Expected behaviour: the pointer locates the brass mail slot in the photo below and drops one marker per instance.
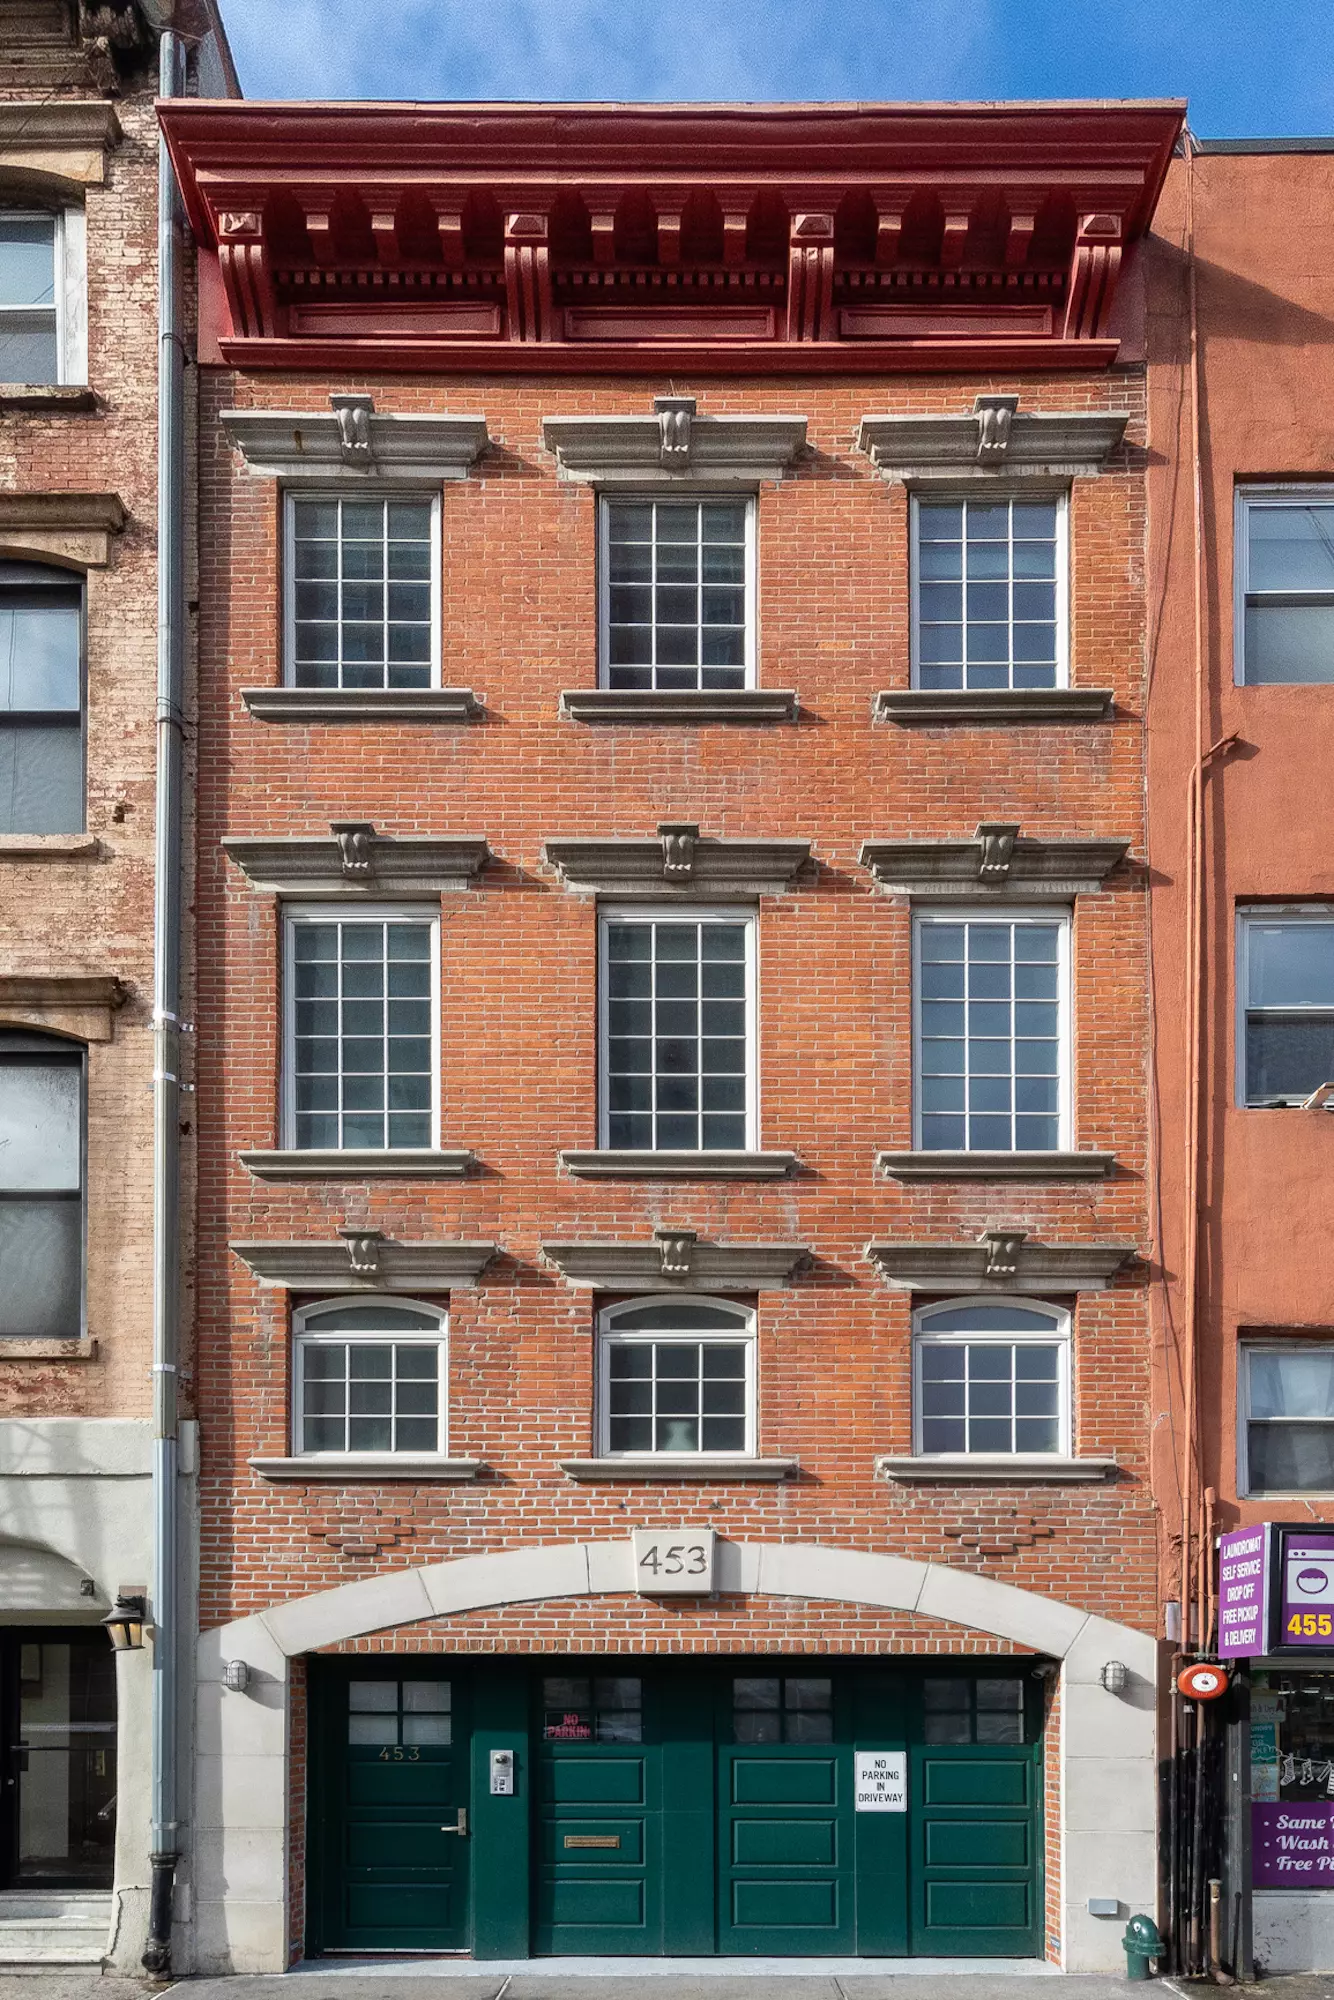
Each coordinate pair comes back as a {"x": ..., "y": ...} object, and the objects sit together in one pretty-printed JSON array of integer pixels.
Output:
[{"x": 592, "y": 1840}]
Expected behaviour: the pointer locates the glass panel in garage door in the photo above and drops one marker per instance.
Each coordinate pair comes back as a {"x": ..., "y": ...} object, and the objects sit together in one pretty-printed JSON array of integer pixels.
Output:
[{"x": 598, "y": 1864}]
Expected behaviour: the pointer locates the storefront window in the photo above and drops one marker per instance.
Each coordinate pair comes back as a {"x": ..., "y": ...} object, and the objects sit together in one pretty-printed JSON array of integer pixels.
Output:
[{"x": 1292, "y": 1780}]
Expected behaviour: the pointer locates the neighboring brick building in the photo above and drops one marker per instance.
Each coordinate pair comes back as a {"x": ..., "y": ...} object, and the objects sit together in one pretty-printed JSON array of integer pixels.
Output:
[
  {"x": 654, "y": 486},
  {"x": 1246, "y": 1393},
  {"x": 78, "y": 645}
]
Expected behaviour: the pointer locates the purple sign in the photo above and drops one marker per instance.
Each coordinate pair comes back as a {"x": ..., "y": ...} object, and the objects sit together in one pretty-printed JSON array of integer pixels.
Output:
[
  {"x": 1292, "y": 1846},
  {"x": 1306, "y": 1616},
  {"x": 1243, "y": 1592}
]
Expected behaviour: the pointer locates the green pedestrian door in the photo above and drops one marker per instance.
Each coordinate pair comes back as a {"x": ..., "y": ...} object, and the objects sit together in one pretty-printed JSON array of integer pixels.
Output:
[{"x": 389, "y": 1808}]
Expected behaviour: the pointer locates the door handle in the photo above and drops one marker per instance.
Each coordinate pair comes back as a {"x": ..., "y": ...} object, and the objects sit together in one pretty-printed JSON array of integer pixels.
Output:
[{"x": 462, "y": 1825}]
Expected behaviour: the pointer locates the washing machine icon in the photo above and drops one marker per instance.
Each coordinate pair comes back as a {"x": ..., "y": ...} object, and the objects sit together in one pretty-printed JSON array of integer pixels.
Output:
[{"x": 1310, "y": 1577}]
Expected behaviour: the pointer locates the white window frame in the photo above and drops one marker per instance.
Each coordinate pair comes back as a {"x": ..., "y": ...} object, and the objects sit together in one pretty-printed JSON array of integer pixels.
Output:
[
  {"x": 1267, "y": 913},
  {"x": 70, "y": 257},
  {"x": 695, "y": 496},
  {"x": 950, "y": 495},
  {"x": 1061, "y": 1337},
  {"x": 306, "y": 1333},
  {"x": 619, "y": 913},
  {"x": 1245, "y": 1348},
  {"x": 608, "y": 1337},
  {"x": 1272, "y": 493},
  {"x": 1060, "y": 914},
  {"x": 383, "y": 489},
  {"x": 76, "y": 1053},
  {"x": 344, "y": 910}
]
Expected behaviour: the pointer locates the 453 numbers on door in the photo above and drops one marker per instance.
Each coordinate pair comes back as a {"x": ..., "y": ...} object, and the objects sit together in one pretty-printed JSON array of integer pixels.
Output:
[{"x": 672, "y": 1562}]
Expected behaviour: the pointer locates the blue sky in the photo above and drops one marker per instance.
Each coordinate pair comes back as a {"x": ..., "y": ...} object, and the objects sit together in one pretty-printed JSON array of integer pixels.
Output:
[{"x": 1249, "y": 67}]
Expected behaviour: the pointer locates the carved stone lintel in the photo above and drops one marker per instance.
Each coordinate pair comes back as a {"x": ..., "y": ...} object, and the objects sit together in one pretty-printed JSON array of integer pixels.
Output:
[
  {"x": 675, "y": 416},
  {"x": 995, "y": 415},
  {"x": 677, "y": 1248},
  {"x": 353, "y": 417},
  {"x": 354, "y": 837},
  {"x": 363, "y": 1249},
  {"x": 678, "y": 848},
  {"x": 1002, "y": 1247},
  {"x": 997, "y": 849}
]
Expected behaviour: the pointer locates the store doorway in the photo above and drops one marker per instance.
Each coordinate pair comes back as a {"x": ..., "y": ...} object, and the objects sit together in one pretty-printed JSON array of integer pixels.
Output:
[{"x": 57, "y": 1759}]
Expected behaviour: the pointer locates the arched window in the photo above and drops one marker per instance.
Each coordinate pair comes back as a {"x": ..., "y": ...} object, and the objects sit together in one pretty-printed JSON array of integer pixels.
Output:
[
  {"x": 41, "y": 1186},
  {"x": 369, "y": 1380},
  {"x": 992, "y": 1376},
  {"x": 41, "y": 700},
  {"x": 677, "y": 1376}
]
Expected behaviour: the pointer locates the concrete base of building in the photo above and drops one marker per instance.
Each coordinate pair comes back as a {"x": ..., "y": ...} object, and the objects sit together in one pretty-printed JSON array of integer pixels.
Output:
[{"x": 1293, "y": 1930}]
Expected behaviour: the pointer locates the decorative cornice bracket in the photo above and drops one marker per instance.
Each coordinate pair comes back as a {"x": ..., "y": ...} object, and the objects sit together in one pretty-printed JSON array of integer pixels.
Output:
[
  {"x": 352, "y": 440},
  {"x": 994, "y": 437},
  {"x": 1002, "y": 1260},
  {"x": 676, "y": 442},
  {"x": 677, "y": 1257},
  {"x": 996, "y": 862},
  {"x": 359, "y": 859},
  {"x": 678, "y": 863},
  {"x": 363, "y": 1260}
]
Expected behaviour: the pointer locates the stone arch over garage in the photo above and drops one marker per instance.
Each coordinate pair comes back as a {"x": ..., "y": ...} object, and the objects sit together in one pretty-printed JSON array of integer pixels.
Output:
[{"x": 1108, "y": 1755}]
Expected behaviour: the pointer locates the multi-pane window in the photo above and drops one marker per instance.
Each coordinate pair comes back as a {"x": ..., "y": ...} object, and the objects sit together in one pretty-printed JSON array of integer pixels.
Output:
[
  {"x": 963, "y": 1709},
  {"x": 677, "y": 593},
  {"x": 782, "y": 1708},
  {"x": 30, "y": 305},
  {"x": 592, "y": 1708},
  {"x": 992, "y": 1377},
  {"x": 361, "y": 1069},
  {"x": 1286, "y": 1396},
  {"x": 990, "y": 593},
  {"x": 41, "y": 1187},
  {"x": 370, "y": 1378},
  {"x": 362, "y": 592},
  {"x": 400, "y": 1714},
  {"x": 677, "y": 1034},
  {"x": 991, "y": 1039},
  {"x": 1284, "y": 562},
  {"x": 677, "y": 1377},
  {"x": 1286, "y": 989},
  {"x": 41, "y": 700}
]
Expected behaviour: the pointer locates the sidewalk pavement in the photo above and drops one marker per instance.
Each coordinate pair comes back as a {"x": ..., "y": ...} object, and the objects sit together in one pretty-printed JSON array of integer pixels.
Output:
[{"x": 537, "y": 1981}]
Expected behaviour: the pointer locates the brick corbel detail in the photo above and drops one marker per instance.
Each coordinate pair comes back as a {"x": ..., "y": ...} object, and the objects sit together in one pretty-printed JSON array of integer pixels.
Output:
[{"x": 810, "y": 278}]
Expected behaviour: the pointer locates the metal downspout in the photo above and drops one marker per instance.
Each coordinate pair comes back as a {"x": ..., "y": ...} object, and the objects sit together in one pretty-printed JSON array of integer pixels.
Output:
[{"x": 166, "y": 1034}]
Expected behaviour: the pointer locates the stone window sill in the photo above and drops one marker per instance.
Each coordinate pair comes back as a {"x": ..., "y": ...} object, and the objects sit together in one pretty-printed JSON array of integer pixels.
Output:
[
  {"x": 292, "y": 704},
  {"x": 923, "y": 705},
  {"x": 612, "y": 1164},
  {"x": 988, "y": 1469},
  {"x": 705, "y": 1465},
  {"x": 415, "y": 1164},
  {"x": 48, "y": 1350},
  {"x": 49, "y": 847},
  {"x": 689, "y": 705},
  {"x": 1082, "y": 1166},
  {"x": 353, "y": 1471},
  {"x": 52, "y": 398}
]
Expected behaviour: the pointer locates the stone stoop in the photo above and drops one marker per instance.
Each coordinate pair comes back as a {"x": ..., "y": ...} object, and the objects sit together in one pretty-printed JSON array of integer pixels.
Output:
[{"x": 58, "y": 1928}]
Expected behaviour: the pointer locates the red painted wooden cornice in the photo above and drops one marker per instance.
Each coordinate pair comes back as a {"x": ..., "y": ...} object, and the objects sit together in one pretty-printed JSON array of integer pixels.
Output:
[{"x": 723, "y": 237}]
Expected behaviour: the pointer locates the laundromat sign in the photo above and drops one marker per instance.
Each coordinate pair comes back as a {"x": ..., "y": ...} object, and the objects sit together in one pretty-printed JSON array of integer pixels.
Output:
[{"x": 1275, "y": 1590}]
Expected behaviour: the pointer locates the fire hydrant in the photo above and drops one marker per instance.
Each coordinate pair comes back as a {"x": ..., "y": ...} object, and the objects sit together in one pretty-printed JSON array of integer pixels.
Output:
[{"x": 1141, "y": 1942}]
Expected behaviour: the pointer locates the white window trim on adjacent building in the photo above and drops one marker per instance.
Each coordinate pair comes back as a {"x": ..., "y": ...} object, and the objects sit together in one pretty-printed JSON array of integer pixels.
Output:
[
  {"x": 1011, "y": 490},
  {"x": 924, "y": 913},
  {"x": 668, "y": 496},
  {"x": 609, "y": 1337},
  {"x": 1060, "y": 1337},
  {"x": 384, "y": 489},
  {"x": 1268, "y": 913},
  {"x": 70, "y": 252},
  {"x": 344, "y": 910},
  {"x": 307, "y": 1332},
  {"x": 1245, "y": 1350},
  {"x": 1248, "y": 499},
  {"x": 611, "y": 913}
]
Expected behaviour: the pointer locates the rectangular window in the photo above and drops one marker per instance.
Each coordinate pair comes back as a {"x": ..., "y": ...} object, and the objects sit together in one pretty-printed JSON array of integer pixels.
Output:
[
  {"x": 961, "y": 1709},
  {"x": 362, "y": 1042},
  {"x": 1286, "y": 990},
  {"x": 363, "y": 591},
  {"x": 370, "y": 1395},
  {"x": 592, "y": 1708},
  {"x": 990, "y": 1395},
  {"x": 989, "y": 592},
  {"x": 678, "y": 1030},
  {"x": 41, "y": 701},
  {"x": 41, "y": 1187},
  {"x": 1286, "y": 1397},
  {"x": 678, "y": 1395},
  {"x": 782, "y": 1708},
  {"x": 678, "y": 593},
  {"x": 992, "y": 1037},
  {"x": 400, "y": 1714},
  {"x": 30, "y": 301},
  {"x": 1284, "y": 562}
]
